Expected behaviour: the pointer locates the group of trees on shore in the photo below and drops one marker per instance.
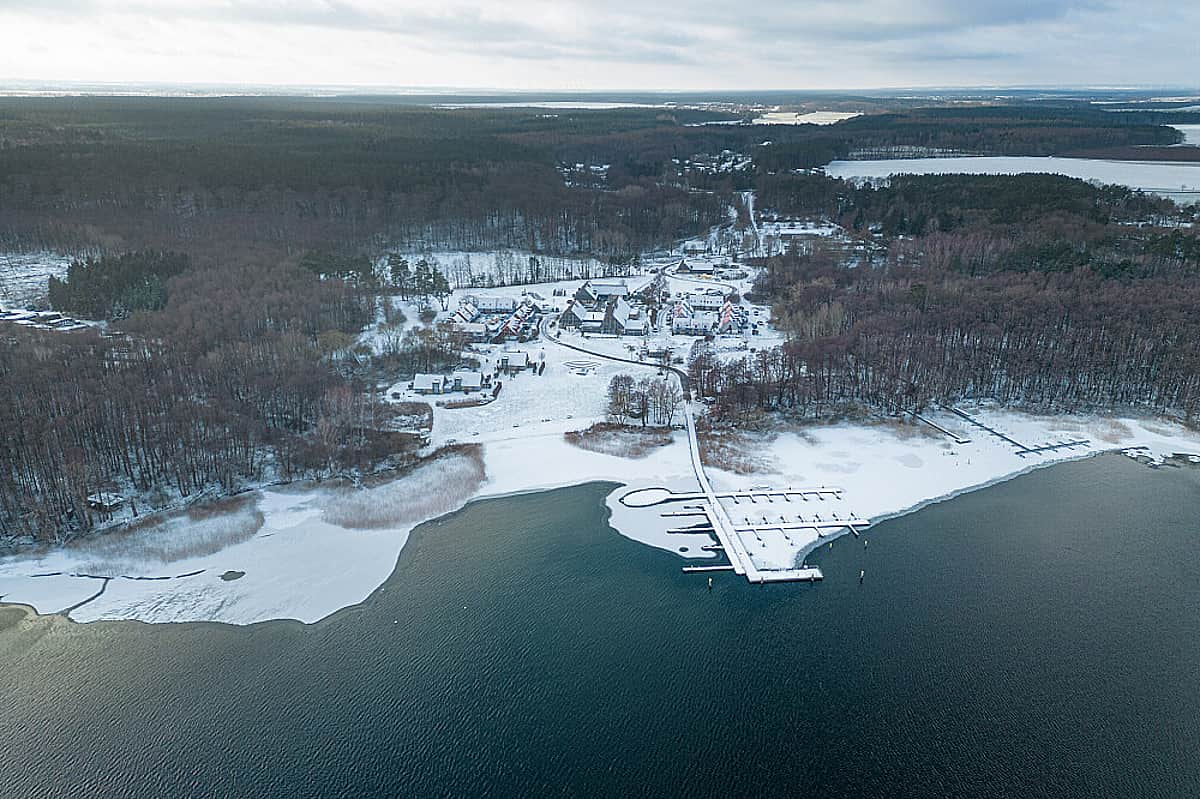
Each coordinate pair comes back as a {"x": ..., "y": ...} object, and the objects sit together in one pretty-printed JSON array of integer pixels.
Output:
[
  {"x": 227, "y": 384},
  {"x": 1034, "y": 291},
  {"x": 649, "y": 401}
]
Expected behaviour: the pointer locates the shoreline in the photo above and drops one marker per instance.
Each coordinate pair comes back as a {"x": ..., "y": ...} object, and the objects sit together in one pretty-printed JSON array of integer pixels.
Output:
[{"x": 300, "y": 566}]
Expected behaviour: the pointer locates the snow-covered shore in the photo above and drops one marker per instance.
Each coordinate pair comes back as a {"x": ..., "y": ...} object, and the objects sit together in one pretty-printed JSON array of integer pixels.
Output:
[{"x": 301, "y": 565}]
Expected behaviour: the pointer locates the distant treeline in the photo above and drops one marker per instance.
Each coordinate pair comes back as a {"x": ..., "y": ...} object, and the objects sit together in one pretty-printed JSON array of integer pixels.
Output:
[
  {"x": 272, "y": 177},
  {"x": 920, "y": 204},
  {"x": 1032, "y": 290}
]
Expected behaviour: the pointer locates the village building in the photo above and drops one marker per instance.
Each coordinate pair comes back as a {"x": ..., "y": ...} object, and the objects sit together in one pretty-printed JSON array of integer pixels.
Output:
[
  {"x": 594, "y": 292},
  {"x": 521, "y": 321},
  {"x": 706, "y": 301},
  {"x": 701, "y": 323},
  {"x": 573, "y": 316},
  {"x": 620, "y": 319},
  {"x": 463, "y": 380},
  {"x": 512, "y": 361},
  {"x": 593, "y": 322},
  {"x": 698, "y": 266},
  {"x": 466, "y": 382},
  {"x": 475, "y": 332},
  {"x": 604, "y": 307},
  {"x": 428, "y": 383},
  {"x": 493, "y": 305},
  {"x": 105, "y": 501},
  {"x": 467, "y": 313}
]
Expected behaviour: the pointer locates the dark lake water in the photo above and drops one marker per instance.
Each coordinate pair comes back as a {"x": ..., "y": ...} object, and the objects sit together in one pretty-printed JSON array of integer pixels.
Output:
[{"x": 1039, "y": 638}]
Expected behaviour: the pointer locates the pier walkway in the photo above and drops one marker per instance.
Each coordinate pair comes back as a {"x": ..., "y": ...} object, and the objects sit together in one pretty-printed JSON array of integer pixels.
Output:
[
  {"x": 709, "y": 504},
  {"x": 1022, "y": 449}
]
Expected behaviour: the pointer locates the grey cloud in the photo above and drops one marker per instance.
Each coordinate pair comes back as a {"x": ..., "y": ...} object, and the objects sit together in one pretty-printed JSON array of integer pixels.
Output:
[{"x": 877, "y": 37}]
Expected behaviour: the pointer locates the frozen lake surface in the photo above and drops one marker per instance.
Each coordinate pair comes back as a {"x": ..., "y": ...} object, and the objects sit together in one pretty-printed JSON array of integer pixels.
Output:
[
  {"x": 1191, "y": 134},
  {"x": 1180, "y": 182}
]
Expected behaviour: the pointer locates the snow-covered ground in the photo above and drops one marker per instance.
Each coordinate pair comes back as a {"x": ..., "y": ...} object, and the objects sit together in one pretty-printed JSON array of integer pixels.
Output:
[
  {"x": 305, "y": 553},
  {"x": 886, "y": 470},
  {"x": 306, "y": 561},
  {"x": 503, "y": 267},
  {"x": 25, "y": 276},
  {"x": 810, "y": 118}
]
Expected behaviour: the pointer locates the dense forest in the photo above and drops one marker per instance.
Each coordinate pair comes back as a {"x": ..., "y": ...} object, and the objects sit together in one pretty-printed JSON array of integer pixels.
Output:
[
  {"x": 264, "y": 178},
  {"x": 1033, "y": 290},
  {"x": 234, "y": 381},
  {"x": 241, "y": 251}
]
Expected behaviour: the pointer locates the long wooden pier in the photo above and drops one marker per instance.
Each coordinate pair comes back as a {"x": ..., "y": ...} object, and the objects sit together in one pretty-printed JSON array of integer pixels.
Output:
[{"x": 807, "y": 509}]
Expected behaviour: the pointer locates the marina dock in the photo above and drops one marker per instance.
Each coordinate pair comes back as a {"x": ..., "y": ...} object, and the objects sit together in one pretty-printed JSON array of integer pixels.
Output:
[{"x": 738, "y": 519}]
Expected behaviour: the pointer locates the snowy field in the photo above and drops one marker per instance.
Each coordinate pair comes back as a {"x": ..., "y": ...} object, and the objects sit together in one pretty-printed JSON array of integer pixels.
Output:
[
  {"x": 811, "y": 118},
  {"x": 24, "y": 277},
  {"x": 503, "y": 267}
]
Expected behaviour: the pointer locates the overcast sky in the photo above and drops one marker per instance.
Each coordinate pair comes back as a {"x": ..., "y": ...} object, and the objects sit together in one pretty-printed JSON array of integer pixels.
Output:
[{"x": 614, "y": 44}]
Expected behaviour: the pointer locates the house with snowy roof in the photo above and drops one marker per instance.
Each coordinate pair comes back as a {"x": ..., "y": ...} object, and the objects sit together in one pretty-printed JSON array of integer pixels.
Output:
[
  {"x": 621, "y": 319},
  {"x": 593, "y": 292},
  {"x": 494, "y": 304},
  {"x": 574, "y": 315},
  {"x": 511, "y": 361},
  {"x": 428, "y": 383},
  {"x": 466, "y": 314},
  {"x": 475, "y": 332},
  {"x": 701, "y": 323},
  {"x": 697, "y": 266},
  {"x": 705, "y": 301},
  {"x": 466, "y": 382}
]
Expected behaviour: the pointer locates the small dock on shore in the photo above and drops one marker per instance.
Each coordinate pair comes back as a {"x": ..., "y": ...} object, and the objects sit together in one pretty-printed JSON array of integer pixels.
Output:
[{"x": 1021, "y": 449}]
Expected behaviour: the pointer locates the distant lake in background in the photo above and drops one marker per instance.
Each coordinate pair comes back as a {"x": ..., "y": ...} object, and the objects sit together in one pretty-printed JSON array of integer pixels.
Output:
[
  {"x": 1038, "y": 638},
  {"x": 1191, "y": 134},
  {"x": 1179, "y": 181}
]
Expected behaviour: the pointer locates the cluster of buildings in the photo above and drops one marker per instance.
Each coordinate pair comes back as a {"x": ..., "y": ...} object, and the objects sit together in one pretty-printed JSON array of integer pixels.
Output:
[
  {"x": 465, "y": 382},
  {"x": 42, "y": 320},
  {"x": 704, "y": 314},
  {"x": 702, "y": 267},
  {"x": 486, "y": 319},
  {"x": 605, "y": 306},
  {"x": 508, "y": 362}
]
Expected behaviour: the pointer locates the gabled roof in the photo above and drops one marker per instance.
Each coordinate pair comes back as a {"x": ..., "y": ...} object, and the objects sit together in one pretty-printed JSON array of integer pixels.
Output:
[
  {"x": 576, "y": 310},
  {"x": 621, "y": 311}
]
